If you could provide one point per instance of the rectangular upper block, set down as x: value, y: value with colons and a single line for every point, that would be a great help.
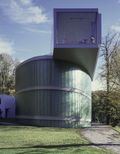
x: 77, y: 28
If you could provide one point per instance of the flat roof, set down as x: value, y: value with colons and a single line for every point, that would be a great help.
x: 36, y: 58
x: 76, y: 9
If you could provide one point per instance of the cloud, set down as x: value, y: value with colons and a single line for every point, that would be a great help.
x: 6, y: 46
x: 23, y: 11
x: 21, y: 60
x: 116, y: 27
x: 97, y: 85
x: 33, y: 30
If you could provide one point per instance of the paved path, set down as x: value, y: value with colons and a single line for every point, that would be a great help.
x: 103, y: 136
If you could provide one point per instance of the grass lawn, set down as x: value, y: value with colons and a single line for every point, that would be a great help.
x: 37, y: 140
x: 117, y: 128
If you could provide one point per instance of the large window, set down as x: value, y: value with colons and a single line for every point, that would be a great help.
x: 74, y: 28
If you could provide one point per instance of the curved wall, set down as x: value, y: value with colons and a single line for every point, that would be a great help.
x: 52, y: 93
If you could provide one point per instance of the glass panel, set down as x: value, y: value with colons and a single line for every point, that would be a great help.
x: 76, y: 28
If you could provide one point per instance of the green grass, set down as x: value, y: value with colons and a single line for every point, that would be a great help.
x: 32, y: 140
x: 81, y: 150
x: 117, y: 129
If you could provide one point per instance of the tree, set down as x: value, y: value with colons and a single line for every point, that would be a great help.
x: 99, y: 107
x: 7, y: 74
x: 110, y: 53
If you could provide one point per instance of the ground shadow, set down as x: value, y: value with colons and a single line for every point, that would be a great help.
x: 61, y: 146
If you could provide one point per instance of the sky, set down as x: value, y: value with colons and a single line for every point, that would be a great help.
x: 26, y: 26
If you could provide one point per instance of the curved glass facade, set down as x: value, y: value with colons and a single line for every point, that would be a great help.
x: 53, y: 93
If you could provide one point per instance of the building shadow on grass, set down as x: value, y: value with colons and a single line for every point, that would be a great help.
x: 60, y: 146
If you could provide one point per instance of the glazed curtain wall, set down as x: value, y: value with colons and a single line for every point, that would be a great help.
x: 53, y: 93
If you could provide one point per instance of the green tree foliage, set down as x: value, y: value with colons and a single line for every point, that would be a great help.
x: 107, y: 103
x: 7, y: 74
x: 100, y: 109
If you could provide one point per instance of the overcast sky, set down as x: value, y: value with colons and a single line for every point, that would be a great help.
x: 26, y: 26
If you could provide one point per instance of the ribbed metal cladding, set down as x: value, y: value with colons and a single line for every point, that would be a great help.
x: 52, y: 93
